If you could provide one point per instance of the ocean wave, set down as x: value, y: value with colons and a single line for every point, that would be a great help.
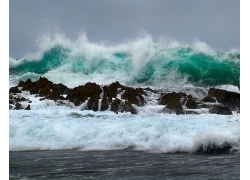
x: 138, y: 62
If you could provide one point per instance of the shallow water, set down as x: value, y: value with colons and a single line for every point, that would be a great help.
x: 121, y: 164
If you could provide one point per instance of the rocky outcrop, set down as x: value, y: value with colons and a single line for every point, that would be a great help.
x: 229, y: 99
x: 114, y: 97
x: 119, y: 98
x: 219, y: 109
x: 44, y: 88
x: 173, y: 102
x: 16, y: 101
x: 217, y: 101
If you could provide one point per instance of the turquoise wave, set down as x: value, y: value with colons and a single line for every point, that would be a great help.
x: 164, y: 64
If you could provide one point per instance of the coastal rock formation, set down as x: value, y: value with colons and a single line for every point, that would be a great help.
x: 15, y: 102
x: 119, y: 98
x: 228, y: 99
x: 114, y: 97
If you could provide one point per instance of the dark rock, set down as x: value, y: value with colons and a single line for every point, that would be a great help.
x: 220, y: 109
x: 11, y: 106
x: 11, y: 101
x: 125, y: 106
x: 209, y: 99
x: 115, y: 105
x: 173, y: 101
x: 44, y: 87
x: 62, y: 89
x: 93, y: 103
x: 80, y: 94
x: 28, y: 107
x: 111, y: 91
x: 191, y: 103
x: 105, y: 104
x: 26, y: 85
x: 18, y: 106
x: 14, y: 90
x: 213, y: 148
x: 227, y: 98
x: 134, y: 96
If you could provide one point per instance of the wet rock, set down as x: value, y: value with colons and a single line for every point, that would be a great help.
x: 104, y: 104
x: 172, y: 102
x: 171, y: 99
x: 28, y: 107
x: 93, y: 103
x: 191, y: 103
x: 227, y: 98
x: 14, y: 90
x: 115, y: 105
x: 80, y: 94
x: 18, y: 106
x: 111, y: 91
x: 209, y: 99
x: 214, y: 148
x: 220, y: 109
x: 122, y: 106
x: 134, y: 96
x: 44, y: 87
x: 11, y: 101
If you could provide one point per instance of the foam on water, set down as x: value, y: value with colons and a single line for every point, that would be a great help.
x: 53, y: 128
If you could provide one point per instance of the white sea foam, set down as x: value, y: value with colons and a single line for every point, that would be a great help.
x: 51, y: 127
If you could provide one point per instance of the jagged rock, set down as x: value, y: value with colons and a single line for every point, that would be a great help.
x: 14, y: 90
x: 104, y: 104
x: 11, y: 101
x: 209, y: 99
x: 111, y: 91
x: 93, y: 103
x: 191, y: 103
x: 44, y: 87
x: 134, y: 96
x: 227, y: 98
x: 18, y: 106
x: 115, y: 105
x: 11, y: 106
x: 173, y: 102
x: 122, y: 106
x: 125, y: 106
x: 28, y: 107
x: 119, y: 98
x: 171, y: 99
x: 80, y: 94
x: 220, y: 109
x: 62, y: 89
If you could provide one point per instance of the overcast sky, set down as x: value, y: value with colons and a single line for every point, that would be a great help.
x: 215, y: 22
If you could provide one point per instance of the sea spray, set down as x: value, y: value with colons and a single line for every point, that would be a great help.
x: 140, y: 62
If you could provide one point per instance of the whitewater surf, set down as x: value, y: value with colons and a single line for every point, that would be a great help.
x: 162, y: 68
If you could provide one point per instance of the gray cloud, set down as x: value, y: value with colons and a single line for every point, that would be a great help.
x: 215, y: 22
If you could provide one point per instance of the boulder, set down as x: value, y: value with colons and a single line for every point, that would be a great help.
x: 220, y: 109
x: 227, y: 98
x: 104, y: 104
x: 14, y: 90
x: 173, y: 102
x: 191, y: 103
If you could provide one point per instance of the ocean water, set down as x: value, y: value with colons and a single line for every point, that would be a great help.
x: 66, y: 142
